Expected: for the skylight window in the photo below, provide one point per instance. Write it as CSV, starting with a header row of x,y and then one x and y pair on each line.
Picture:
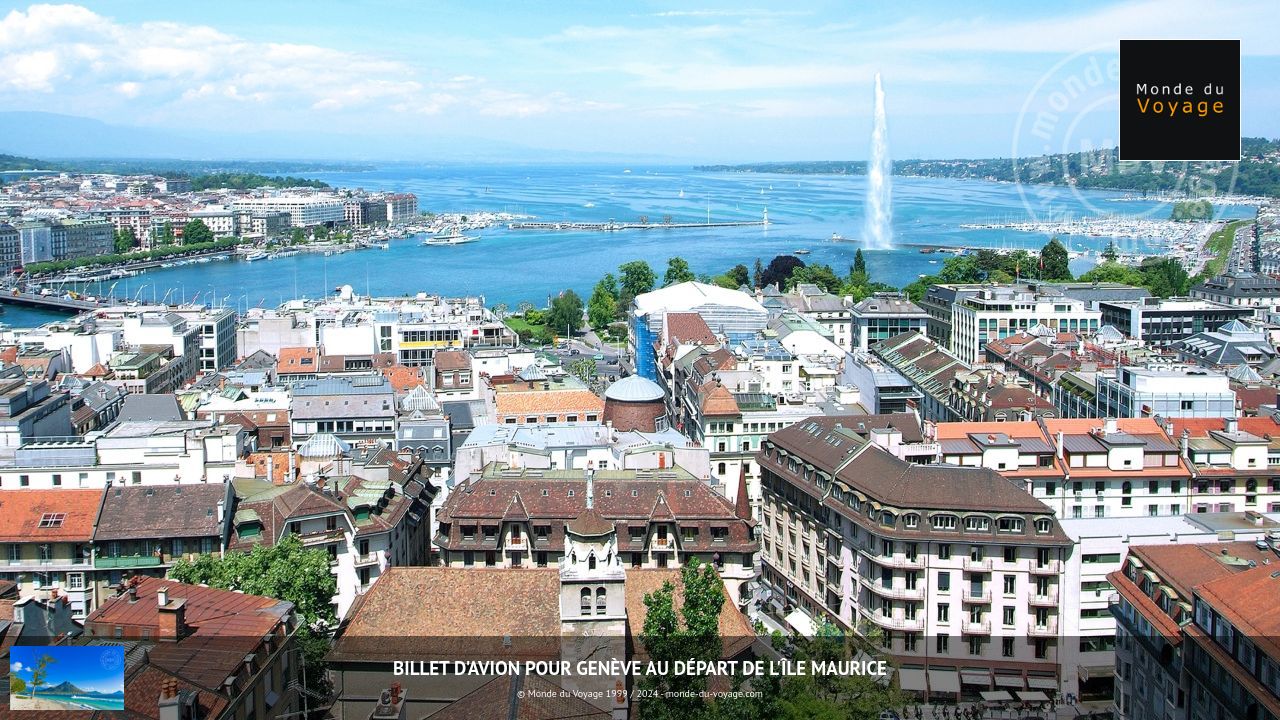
x,y
52,520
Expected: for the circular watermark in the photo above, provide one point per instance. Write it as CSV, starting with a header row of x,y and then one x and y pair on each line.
x,y
1065,135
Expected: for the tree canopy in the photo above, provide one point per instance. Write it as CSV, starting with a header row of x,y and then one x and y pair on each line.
x,y
196,232
1054,261
677,272
602,308
565,313
779,271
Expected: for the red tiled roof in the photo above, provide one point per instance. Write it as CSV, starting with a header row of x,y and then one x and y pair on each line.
x,y
452,360
1200,427
684,328
297,360
61,514
402,378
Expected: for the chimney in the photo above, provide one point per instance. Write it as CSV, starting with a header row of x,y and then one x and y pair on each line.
x,y
222,510
170,704
1058,449
1185,443
1232,424
162,595
133,595
1110,426
391,704
591,485
173,620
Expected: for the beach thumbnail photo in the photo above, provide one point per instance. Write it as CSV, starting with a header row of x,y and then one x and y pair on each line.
x,y
66,678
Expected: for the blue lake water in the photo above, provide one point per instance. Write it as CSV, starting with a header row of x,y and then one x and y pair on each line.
x,y
514,265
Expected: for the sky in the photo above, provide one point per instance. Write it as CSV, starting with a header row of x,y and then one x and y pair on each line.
x,y
691,80
90,668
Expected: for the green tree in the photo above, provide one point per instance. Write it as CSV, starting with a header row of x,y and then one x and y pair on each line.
x,y
637,278
667,639
565,313
297,236
321,232
859,262
501,310
40,673
584,368
166,235
602,308
16,684
821,275
196,232
287,571
831,695
125,240
1165,277
739,275
757,274
1054,261
779,271
1110,254
677,272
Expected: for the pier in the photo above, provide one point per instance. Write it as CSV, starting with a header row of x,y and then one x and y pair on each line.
x,y
612,226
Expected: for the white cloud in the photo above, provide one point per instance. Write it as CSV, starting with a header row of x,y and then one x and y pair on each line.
x,y
199,71
16,667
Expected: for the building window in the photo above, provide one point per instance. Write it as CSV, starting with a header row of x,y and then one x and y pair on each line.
x,y
585,602
944,613
601,602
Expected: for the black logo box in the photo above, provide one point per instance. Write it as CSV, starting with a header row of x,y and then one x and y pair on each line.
x,y
1186,65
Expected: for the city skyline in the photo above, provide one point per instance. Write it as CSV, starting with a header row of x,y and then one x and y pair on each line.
x,y
711,82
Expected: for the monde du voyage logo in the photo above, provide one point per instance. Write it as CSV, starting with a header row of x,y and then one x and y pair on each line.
x,y
1180,100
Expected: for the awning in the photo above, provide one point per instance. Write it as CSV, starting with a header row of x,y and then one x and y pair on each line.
x,y
1033,696
975,677
996,696
944,681
911,678
1009,681
801,623
1044,683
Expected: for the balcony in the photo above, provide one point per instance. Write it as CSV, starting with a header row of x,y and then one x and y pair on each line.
x,y
324,537
977,596
893,561
50,564
367,559
517,543
663,544
1043,600
1052,567
897,623
128,561
976,628
1048,628
972,565
896,593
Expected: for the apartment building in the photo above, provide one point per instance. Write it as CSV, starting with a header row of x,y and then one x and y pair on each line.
x,y
724,312
882,316
517,517
813,303
401,207
1255,291
996,312
48,540
958,568
304,210
10,248
1163,321
131,452
1235,463
352,408
1195,629
30,410
930,368
1133,391
366,523
204,653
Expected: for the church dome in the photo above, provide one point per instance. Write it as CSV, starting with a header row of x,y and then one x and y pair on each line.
x,y
634,389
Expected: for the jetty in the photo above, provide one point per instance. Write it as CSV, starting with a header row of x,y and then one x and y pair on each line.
x,y
614,226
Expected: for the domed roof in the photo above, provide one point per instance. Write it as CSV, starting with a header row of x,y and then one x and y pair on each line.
x,y
634,388
323,445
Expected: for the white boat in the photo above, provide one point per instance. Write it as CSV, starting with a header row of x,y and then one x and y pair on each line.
x,y
836,237
589,205
255,255
802,252
453,238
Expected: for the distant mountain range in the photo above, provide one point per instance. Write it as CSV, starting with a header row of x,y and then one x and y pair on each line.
x,y
55,136
67,688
